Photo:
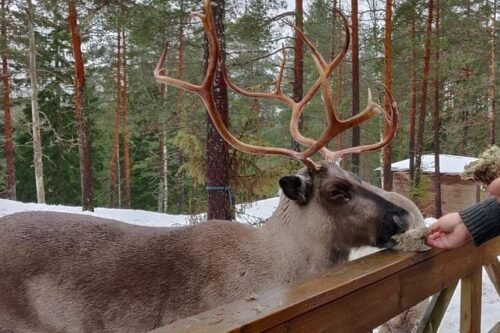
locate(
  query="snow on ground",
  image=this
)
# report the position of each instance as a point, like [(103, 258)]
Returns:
[(124, 215), (253, 213), (247, 213)]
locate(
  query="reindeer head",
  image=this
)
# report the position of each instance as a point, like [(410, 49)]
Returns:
[(332, 190), (355, 214)]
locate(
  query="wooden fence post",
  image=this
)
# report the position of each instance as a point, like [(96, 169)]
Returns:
[(470, 302), (435, 311), (493, 271)]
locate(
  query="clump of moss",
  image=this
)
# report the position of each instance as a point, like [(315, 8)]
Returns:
[(412, 240), (486, 168)]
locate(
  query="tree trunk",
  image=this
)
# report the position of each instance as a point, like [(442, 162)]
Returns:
[(337, 33), (423, 101), (218, 190), (162, 160), (126, 199), (81, 113), (9, 145), (413, 97), (181, 191), (37, 143), (493, 93), (356, 132), (114, 187), (436, 121), (387, 151), (465, 123), (298, 64), (162, 164)]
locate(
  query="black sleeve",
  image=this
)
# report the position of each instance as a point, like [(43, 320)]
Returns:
[(482, 220)]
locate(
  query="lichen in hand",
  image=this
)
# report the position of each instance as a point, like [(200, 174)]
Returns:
[(486, 168), (412, 240)]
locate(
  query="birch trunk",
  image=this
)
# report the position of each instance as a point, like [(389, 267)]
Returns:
[(165, 172), (162, 167), (37, 144), (162, 159)]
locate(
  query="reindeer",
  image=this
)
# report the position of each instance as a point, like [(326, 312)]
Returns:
[(76, 273)]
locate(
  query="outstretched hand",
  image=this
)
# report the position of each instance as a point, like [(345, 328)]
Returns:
[(450, 231), (494, 188)]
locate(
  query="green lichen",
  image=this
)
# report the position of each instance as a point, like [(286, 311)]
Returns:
[(486, 168), (412, 240)]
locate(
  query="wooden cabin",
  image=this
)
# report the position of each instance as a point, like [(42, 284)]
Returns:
[(456, 193)]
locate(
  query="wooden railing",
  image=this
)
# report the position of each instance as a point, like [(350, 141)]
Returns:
[(360, 295)]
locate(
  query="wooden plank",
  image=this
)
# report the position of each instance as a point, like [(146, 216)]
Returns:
[(493, 271), (470, 302), (437, 308), (374, 304), (381, 285)]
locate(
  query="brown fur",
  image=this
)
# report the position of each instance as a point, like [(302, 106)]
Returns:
[(76, 273)]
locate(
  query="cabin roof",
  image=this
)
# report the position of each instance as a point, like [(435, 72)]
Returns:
[(448, 164)]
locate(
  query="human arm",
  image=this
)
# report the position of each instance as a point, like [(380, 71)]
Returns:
[(479, 222), (482, 220)]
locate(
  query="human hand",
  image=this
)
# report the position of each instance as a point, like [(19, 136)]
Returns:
[(494, 188), (448, 232)]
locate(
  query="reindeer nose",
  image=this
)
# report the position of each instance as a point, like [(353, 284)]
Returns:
[(400, 221), (394, 221), (399, 217)]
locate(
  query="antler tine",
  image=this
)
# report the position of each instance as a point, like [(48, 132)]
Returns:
[(334, 125), (391, 118), (205, 91), (298, 107), (276, 94), (335, 62), (327, 69), (159, 70)]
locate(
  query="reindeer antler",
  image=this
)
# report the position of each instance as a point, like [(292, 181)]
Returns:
[(335, 126), (298, 107), (391, 117)]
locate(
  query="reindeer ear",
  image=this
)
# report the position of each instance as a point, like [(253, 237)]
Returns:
[(297, 188)]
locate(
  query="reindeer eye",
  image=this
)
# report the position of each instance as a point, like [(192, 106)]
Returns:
[(338, 195)]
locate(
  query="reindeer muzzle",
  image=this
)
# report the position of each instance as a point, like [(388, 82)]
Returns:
[(394, 221)]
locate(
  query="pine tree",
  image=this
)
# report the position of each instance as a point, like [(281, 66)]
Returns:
[(10, 191), (81, 112)]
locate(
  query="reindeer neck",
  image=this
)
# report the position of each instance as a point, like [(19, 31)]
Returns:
[(301, 245)]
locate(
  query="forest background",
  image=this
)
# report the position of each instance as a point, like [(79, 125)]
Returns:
[(83, 121)]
